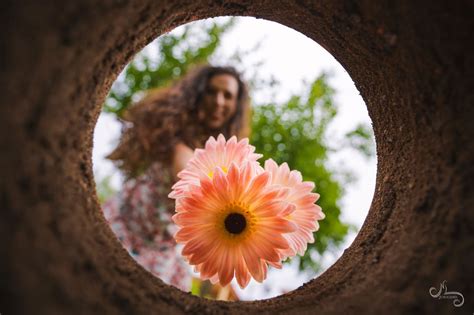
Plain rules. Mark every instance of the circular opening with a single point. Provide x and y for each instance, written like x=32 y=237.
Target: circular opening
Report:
x=285 y=70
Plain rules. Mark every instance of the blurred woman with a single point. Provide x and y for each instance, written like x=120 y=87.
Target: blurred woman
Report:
x=160 y=133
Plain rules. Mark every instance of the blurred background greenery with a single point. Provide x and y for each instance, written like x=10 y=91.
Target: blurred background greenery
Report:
x=293 y=131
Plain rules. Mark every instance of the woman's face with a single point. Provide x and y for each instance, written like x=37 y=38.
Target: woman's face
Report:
x=219 y=102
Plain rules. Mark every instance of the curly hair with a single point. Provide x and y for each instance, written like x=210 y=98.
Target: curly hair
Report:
x=166 y=116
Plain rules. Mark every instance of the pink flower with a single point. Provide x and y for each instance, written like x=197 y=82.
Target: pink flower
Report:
x=216 y=153
x=306 y=213
x=233 y=224
x=236 y=218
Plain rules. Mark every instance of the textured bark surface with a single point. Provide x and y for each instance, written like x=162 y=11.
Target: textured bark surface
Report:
x=409 y=59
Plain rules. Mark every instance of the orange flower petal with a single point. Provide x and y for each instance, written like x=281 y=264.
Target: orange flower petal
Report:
x=235 y=218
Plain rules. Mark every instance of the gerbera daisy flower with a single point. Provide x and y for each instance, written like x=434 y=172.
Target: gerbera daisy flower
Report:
x=306 y=213
x=216 y=153
x=233 y=224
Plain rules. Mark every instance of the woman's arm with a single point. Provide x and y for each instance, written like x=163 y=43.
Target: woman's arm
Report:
x=181 y=155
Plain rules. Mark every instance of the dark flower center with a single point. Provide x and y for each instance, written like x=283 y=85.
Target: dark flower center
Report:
x=235 y=223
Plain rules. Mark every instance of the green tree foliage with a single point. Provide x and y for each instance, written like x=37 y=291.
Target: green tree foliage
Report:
x=294 y=132
x=105 y=189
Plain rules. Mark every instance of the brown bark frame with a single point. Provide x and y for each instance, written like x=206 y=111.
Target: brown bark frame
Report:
x=408 y=59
